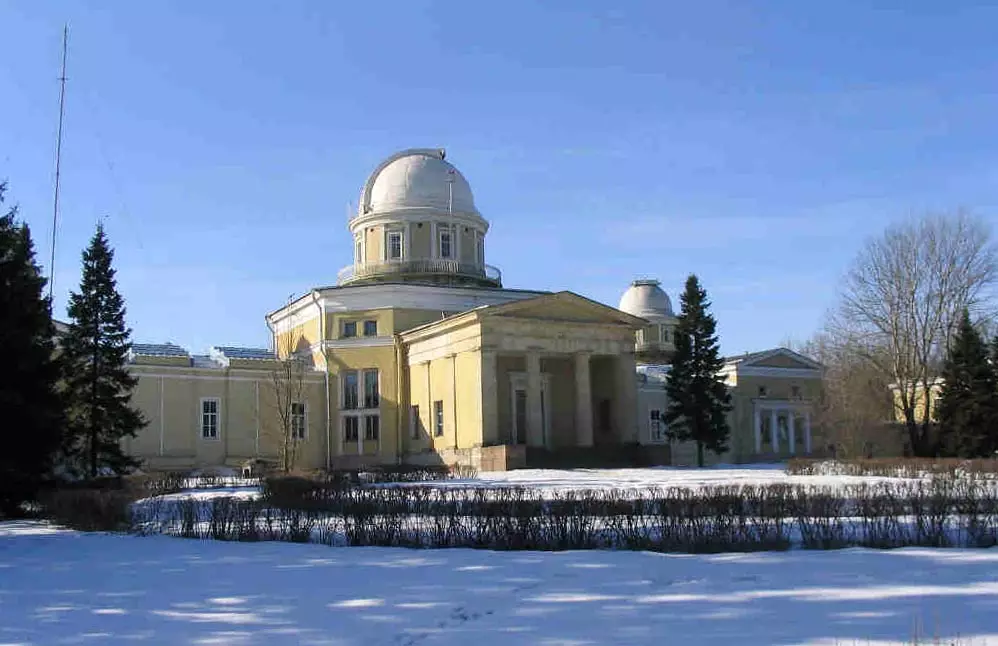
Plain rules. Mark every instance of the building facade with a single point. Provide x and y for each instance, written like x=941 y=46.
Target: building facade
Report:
x=419 y=354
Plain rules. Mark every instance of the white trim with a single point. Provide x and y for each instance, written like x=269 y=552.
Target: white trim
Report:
x=385 y=256
x=418 y=214
x=218 y=419
x=354 y=342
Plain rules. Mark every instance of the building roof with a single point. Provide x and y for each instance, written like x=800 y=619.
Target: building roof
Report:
x=646 y=299
x=159 y=350
x=236 y=352
x=417 y=178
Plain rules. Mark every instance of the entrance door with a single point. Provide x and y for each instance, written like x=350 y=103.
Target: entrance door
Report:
x=519 y=416
x=519 y=408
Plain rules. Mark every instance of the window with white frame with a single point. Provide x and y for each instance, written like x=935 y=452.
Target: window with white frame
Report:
x=479 y=248
x=438 y=418
x=372 y=427
x=393 y=245
x=359 y=250
x=414 y=421
x=351 y=427
x=445 y=246
x=656 y=428
x=299 y=422
x=663 y=334
x=209 y=418
x=360 y=404
x=371 y=395
x=351 y=390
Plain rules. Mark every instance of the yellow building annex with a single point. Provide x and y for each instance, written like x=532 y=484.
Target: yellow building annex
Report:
x=418 y=354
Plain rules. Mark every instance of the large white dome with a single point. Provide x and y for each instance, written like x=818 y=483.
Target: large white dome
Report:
x=646 y=299
x=417 y=179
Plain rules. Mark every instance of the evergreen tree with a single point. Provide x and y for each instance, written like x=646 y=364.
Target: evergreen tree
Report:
x=31 y=407
x=96 y=353
x=967 y=409
x=699 y=400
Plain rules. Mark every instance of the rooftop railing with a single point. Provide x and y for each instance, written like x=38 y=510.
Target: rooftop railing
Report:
x=419 y=267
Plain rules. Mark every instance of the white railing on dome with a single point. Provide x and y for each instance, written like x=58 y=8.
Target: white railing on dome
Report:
x=416 y=267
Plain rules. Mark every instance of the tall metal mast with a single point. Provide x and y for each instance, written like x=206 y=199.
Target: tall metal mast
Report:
x=58 y=159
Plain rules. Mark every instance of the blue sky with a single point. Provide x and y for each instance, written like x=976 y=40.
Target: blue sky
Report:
x=756 y=144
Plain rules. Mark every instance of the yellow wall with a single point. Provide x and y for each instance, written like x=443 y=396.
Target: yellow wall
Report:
x=422 y=240
x=374 y=243
x=361 y=358
x=467 y=245
x=920 y=402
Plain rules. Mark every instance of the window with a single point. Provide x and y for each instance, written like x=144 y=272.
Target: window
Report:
x=370 y=328
x=371 y=398
x=795 y=392
x=438 y=418
x=350 y=392
x=298 y=421
x=762 y=391
x=209 y=418
x=655 y=425
x=351 y=426
x=445 y=244
x=359 y=251
x=349 y=329
x=372 y=426
x=414 y=429
x=479 y=248
x=393 y=247
x=663 y=334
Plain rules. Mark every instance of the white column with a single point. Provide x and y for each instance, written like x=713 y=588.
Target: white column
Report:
x=807 y=432
x=583 y=401
x=490 y=397
x=407 y=246
x=773 y=433
x=790 y=430
x=535 y=418
x=757 y=428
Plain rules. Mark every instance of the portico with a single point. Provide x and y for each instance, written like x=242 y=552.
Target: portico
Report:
x=553 y=372
x=782 y=427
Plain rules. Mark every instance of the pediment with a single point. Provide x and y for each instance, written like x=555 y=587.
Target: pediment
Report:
x=780 y=358
x=565 y=307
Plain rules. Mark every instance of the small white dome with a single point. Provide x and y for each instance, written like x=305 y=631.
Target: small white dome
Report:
x=646 y=299
x=417 y=178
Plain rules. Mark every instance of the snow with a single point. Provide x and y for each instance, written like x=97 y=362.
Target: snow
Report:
x=645 y=478
x=64 y=587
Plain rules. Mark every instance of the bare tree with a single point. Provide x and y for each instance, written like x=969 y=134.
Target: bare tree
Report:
x=854 y=404
x=902 y=299
x=287 y=381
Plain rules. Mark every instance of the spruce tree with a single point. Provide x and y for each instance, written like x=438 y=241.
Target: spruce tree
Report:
x=967 y=409
x=31 y=407
x=699 y=400
x=96 y=354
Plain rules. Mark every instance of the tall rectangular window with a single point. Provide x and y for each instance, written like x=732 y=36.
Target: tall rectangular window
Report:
x=372 y=427
x=351 y=427
x=299 y=424
x=393 y=246
x=438 y=418
x=371 y=395
x=655 y=425
x=349 y=329
x=209 y=418
x=479 y=248
x=370 y=328
x=359 y=251
x=414 y=421
x=445 y=244
x=350 y=390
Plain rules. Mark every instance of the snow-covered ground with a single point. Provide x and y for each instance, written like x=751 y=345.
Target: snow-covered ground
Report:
x=567 y=479
x=62 y=587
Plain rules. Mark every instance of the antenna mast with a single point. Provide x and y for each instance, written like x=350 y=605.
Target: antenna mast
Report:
x=58 y=159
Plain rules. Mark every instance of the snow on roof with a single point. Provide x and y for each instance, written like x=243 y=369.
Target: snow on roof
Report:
x=158 y=350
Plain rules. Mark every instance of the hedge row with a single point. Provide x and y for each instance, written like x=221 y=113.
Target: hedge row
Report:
x=894 y=467
x=941 y=512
